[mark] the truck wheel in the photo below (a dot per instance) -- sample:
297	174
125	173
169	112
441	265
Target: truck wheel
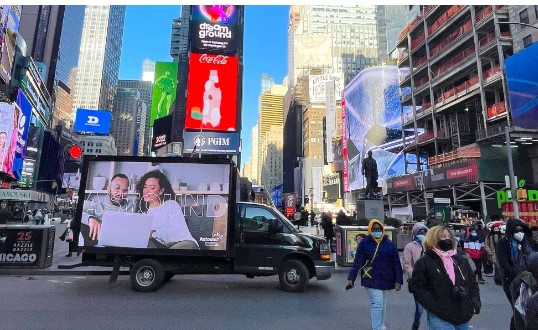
147	275
293	276
168	276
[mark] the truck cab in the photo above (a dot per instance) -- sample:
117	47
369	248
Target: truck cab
268	244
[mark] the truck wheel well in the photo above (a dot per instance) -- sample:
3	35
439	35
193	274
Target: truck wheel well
304	259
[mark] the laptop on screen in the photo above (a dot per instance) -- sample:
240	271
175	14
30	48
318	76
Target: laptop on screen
123	229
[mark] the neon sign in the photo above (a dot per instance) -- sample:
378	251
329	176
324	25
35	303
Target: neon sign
217	12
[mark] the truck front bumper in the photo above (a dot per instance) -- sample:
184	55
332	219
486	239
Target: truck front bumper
324	269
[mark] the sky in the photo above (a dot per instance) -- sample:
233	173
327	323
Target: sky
265	51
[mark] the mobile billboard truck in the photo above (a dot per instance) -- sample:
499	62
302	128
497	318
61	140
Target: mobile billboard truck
165	216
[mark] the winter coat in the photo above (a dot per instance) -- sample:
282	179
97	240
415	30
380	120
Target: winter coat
386	266
491	245
474	246
327	225
531	312
343	220
413	250
433	289
504	249
530	282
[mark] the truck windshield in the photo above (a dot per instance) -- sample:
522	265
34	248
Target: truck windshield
284	220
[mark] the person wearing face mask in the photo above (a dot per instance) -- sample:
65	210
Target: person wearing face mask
513	252
444	283
411	253
492	240
378	262
474	247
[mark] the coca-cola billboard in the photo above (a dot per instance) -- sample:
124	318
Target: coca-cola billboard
215	28
212	93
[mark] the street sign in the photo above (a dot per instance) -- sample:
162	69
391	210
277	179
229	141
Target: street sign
441	200
428	195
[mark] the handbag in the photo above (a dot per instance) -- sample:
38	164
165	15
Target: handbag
366	269
69	235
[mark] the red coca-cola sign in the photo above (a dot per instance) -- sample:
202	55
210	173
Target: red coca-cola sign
212	93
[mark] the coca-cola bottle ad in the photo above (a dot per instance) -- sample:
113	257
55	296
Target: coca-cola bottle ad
212	93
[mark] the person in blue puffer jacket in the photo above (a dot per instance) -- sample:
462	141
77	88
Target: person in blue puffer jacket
378	252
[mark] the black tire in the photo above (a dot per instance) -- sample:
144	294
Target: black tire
168	276
293	276
147	275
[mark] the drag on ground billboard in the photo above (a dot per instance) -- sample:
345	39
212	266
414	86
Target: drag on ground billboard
9	116
215	28
164	89
373	122
23	127
93	121
133	204
212	93
521	73
9	27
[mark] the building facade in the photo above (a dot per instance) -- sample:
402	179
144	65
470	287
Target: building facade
128	114
98	145
148	70
254	155
524	36
271	175
99	60
145	89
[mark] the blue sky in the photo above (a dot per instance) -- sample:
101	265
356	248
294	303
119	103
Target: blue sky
265	50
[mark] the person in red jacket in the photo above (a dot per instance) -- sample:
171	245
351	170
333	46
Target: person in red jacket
475	247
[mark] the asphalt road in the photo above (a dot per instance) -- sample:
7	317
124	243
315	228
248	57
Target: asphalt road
211	302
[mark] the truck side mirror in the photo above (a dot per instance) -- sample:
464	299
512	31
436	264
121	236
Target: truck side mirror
275	226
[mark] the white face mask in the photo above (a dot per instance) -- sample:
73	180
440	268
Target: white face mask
420	237
519	236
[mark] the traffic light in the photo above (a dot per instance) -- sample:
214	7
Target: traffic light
75	151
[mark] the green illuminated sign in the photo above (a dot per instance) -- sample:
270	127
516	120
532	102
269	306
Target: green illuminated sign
502	196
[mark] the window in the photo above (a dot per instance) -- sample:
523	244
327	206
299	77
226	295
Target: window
527	41
256	219
524	16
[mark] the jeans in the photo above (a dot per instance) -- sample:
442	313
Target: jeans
418	313
435	323
378	305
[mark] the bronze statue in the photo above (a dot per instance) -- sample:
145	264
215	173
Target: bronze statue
369	171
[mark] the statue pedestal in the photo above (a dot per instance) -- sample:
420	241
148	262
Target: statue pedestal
370	209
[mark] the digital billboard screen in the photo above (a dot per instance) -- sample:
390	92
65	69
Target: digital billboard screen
373	122
212	93
9	117
9	27
164	89
162	132
215	28
23	127
93	121
146	205
521	73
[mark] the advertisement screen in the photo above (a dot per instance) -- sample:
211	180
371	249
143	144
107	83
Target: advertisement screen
521	73
162	132
373	122
214	28
156	205
93	121
23	125
212	93
20	247
9	27
212	142
164	89
9	116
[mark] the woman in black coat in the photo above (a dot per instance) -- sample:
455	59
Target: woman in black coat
444	283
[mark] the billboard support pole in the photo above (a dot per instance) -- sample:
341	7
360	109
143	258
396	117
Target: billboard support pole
511	172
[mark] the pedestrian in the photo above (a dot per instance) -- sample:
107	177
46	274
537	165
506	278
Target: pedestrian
312	217
342	219
474	247
412	252
304	217
28	217
522	288
328	227
38	217
378	262
443	282
492	240
513	252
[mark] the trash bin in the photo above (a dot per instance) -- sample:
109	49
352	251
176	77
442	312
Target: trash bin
347	238
26	246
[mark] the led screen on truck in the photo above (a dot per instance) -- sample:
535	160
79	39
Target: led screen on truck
155	205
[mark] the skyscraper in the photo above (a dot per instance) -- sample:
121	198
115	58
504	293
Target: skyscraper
148	70
254	155
128	114
99	61
145	89
271	155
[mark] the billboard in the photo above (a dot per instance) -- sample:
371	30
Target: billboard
155	205
330	106
23	127
164	89
162	132
212	142
212	93
93	121
9	116
373	122
9	27
521	73
215	28
317	87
